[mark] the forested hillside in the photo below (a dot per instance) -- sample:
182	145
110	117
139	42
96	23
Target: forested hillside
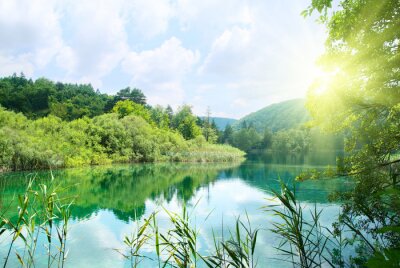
44	97
279	116
279	127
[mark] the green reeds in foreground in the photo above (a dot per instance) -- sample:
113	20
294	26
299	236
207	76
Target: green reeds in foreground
180	242
136	241
177	247
238	251
41	212
303	242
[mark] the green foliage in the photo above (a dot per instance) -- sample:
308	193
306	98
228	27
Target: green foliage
161	116
135	95
280	116
128	107
281	128
360	96
180	242
49	142
23	95
41	212
300	140
246	139
293	140
209	130
186	123
72	101
226	135
136	241
303	242
177	247
238	251
43	97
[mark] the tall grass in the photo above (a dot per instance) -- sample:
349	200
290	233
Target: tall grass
41	212
180	242
303	242
136	241
238	251
178	246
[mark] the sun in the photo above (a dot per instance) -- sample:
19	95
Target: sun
322	80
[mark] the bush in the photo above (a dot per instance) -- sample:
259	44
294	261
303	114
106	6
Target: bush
49	142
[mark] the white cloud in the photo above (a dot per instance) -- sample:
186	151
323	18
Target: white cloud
86	42
91	243
30	34
240	102
211	14
168	62
10	65
161	71
150	17
27	25
97	40
171	93
228	53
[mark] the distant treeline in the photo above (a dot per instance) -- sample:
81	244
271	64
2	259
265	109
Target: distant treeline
294	140
43	97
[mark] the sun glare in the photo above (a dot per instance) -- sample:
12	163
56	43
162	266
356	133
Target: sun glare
322	80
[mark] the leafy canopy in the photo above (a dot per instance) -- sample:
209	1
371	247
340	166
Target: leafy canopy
128	107
360	96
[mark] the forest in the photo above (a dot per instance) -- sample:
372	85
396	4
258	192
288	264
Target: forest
52	125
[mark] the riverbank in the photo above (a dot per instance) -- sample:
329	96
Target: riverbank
49	142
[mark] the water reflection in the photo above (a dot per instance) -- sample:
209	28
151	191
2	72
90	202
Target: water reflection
109	199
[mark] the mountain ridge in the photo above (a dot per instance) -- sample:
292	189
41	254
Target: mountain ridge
221	122
277	116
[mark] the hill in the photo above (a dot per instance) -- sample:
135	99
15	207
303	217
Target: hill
278	116
221	122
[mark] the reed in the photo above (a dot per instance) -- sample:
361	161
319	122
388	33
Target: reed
180	242
41	212
238	251
136	241
303	242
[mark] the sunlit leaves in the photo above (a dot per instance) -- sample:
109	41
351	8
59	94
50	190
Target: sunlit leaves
362	100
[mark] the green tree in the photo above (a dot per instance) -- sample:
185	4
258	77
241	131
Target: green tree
133	94
246	139
227	134
209	128
160	116
267	138
215	133
360	96
23	95
185	122
127	107
170	113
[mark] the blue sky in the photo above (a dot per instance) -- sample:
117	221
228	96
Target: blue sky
234	56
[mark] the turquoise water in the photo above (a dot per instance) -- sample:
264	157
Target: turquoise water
110	198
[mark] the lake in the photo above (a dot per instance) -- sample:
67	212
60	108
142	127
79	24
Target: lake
110	198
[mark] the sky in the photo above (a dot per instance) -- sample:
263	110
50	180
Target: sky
234	56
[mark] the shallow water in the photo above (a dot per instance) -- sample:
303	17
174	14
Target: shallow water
110	198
